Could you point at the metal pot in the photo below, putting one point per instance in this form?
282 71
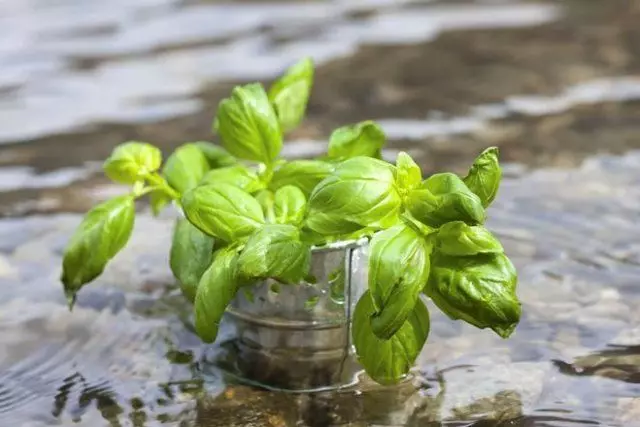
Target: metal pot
298 337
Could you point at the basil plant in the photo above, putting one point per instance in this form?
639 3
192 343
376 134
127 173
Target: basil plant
248 215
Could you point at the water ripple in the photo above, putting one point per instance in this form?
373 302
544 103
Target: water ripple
127 355
577 289
140 50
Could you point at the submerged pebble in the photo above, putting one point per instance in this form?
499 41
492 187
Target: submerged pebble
628 410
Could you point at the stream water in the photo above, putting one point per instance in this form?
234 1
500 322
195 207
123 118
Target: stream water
556 85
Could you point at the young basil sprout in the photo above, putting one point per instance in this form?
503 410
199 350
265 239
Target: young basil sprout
249 215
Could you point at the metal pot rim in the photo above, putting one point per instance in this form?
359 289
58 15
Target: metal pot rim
341 244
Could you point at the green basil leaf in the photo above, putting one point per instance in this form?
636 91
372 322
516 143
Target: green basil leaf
236 175
459 239
158 199
485 175
420 228
103 232
275 251
290 94
304 174
389 361
313 238
361 139
480 289
442 198
222 211
185 167
217 288
217 156
398 270
409 175
289 205
248 125
360 193
132 161
266 198
190 256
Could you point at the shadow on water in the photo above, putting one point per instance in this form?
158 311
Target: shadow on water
555 85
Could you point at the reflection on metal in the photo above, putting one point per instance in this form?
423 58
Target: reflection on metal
299 337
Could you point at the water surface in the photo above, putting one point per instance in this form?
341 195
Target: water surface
556 85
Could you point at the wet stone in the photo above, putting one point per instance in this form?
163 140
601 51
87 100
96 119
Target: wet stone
602 325
240 406
563 393
628 411
368 404
568 343
7 271
619 364
530 351
101 299
627 337
441 326
610 294
556 311
601 397
15 232
498 391
606 309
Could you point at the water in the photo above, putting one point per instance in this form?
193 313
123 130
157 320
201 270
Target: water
556 85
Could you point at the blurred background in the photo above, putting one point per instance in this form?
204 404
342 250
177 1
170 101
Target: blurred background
554 84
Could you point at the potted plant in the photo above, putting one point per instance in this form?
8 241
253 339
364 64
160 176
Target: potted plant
254 222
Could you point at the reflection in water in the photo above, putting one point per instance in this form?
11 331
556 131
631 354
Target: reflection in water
556 94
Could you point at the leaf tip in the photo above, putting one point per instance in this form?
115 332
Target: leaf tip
505 331
492 149
207 334
307 61
71 299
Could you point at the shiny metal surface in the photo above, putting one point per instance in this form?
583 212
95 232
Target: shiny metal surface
298 336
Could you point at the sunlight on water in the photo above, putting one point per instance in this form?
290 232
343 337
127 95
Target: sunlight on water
592 92
44 45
